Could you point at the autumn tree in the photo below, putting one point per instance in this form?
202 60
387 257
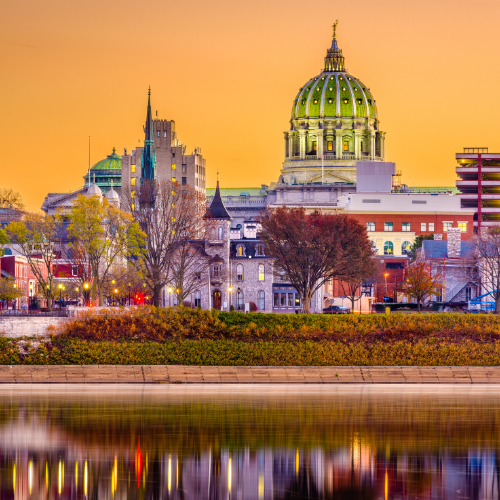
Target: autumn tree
420 284
310 249
171 216
100 236
37 237
487 263
11 199
8 289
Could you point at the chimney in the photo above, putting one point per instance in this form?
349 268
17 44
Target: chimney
454 241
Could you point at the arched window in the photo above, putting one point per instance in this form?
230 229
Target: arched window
238 226
197 299
240 306
259 250
405 247
262 274
220 233
7 251
240 251
261 300
388 248
239 272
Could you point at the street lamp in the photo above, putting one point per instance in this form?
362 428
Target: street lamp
230 289
116 292
170 290
385 276
60 294
13 300
86 288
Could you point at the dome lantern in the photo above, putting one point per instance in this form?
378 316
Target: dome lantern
334 60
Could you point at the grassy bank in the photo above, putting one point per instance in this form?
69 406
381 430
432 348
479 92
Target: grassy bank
182 336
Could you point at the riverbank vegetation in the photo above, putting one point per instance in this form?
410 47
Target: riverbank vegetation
150 335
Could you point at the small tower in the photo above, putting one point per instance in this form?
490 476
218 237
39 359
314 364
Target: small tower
94 190
217 247
113 197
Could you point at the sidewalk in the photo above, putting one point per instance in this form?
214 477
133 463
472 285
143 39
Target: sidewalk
176 374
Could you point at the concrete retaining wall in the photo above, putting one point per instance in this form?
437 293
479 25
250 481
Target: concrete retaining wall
13 326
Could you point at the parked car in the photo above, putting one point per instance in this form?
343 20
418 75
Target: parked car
336 310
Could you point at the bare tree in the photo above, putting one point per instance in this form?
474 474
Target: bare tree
170 215
10 199
487 263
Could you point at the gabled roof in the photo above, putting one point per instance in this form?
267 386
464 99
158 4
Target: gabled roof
217 208
438 249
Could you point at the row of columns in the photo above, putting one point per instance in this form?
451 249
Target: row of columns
339 144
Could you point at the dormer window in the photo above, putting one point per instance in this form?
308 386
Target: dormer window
259 250
240 251
220 233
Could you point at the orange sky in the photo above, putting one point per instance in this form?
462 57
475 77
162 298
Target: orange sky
227 72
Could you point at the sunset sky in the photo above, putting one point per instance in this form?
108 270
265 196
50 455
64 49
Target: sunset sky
227 72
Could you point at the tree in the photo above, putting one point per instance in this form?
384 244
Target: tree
312 249
420 284
170 215
9 290
487 263
36 238
10 199
100 237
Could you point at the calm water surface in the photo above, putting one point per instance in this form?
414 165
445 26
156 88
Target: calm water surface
249 442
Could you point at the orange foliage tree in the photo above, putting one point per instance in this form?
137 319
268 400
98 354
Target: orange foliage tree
420 283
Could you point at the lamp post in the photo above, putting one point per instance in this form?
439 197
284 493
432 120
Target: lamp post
230 289
238 294
85 288
385 276
60 294
129 285
13 300
170 290
116 293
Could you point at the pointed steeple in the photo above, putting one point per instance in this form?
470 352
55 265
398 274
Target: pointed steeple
334 60
148 170
217 208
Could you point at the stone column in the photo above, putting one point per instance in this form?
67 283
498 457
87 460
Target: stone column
302 138
382 144
372 144
291 136
357 153
319 143
287 140
339 145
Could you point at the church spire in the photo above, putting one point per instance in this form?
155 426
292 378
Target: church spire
334 60
217 209
148 170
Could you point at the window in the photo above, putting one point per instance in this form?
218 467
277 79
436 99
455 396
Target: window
346 146
132 194
197 297
239 251
446 225
276 302
158 134
220 233
132 181
291 299
406 227
184 181
216 271
388 226
74 270
174 166
370 226
184 168
297 300
388 248
259 250
423 226
239 272
164 133
262 274
468 293
132 169
132 206
239 300
431 226
405 247
283 300
173 179
463 226
261 300
329 146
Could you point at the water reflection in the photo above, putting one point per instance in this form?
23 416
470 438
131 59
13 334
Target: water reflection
180 442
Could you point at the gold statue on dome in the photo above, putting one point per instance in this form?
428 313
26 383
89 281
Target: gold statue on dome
335 28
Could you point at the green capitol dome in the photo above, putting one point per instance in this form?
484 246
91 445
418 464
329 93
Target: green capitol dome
111 162
107 173
334 125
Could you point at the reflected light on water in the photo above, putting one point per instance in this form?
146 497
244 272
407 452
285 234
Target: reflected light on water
426 443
